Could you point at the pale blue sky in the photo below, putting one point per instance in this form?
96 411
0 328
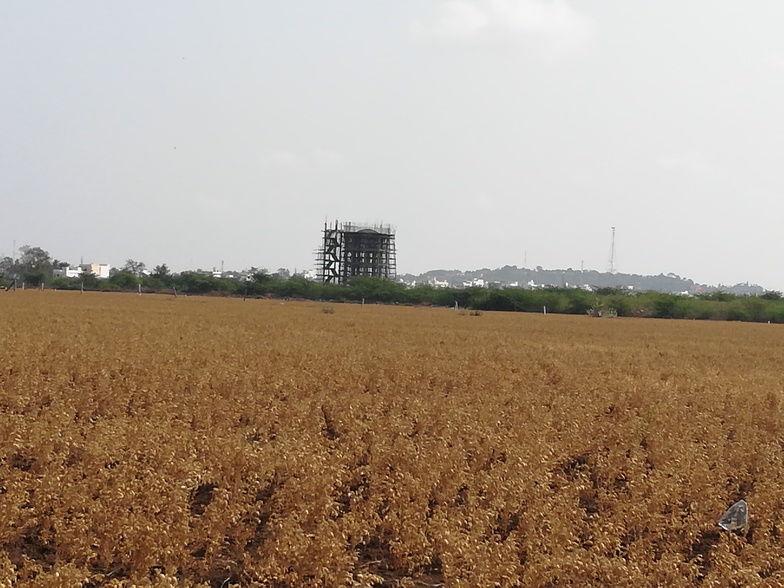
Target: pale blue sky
195 132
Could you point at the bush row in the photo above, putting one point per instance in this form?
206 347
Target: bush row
714 306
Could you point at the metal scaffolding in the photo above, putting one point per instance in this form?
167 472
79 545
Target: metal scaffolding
350 250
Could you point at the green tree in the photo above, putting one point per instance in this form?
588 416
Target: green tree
135 268
718 295
162 274
34 258
296 287
428 294
161 271
7 267
260 275
194 283
756 308
34 265
376 289
123 280
261 282
89 279
665 306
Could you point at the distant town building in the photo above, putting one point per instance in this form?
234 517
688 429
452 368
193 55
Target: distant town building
99 270
67 272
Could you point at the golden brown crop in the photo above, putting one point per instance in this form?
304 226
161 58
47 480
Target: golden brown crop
195 441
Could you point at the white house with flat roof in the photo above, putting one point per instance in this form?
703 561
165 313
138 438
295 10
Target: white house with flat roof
67 272
100 270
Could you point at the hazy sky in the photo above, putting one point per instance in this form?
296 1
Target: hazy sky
488 132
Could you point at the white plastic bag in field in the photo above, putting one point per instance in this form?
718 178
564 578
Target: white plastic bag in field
736 517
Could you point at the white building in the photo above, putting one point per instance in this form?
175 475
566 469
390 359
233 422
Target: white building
67 272
100 270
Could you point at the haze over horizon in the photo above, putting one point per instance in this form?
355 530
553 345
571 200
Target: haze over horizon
488 132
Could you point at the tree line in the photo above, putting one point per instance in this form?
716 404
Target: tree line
35 267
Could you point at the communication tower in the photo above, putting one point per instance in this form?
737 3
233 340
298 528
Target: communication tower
613 261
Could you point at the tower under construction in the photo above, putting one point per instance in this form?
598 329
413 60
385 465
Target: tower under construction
350 250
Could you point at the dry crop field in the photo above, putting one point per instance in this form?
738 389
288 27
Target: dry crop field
151 440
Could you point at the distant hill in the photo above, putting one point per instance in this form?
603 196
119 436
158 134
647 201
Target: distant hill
513 276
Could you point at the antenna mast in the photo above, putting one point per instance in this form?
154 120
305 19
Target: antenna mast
613 261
